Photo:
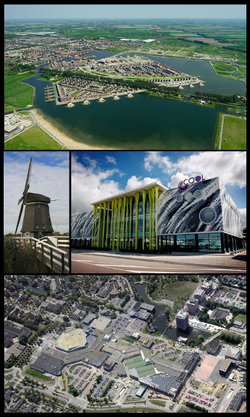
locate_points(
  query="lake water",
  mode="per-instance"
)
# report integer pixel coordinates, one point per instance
(143, 122)
(160, 320)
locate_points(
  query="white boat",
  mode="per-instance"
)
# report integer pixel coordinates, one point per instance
(86, 102)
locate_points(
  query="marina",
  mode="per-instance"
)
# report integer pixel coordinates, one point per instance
(150, 122)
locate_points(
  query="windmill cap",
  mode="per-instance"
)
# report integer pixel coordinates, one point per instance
(36, 198)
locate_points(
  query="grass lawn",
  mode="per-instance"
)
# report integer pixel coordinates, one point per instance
(241, 317)
(17, 95)
(37, 374)
(33, 138)
(179, 289)
(234, 131)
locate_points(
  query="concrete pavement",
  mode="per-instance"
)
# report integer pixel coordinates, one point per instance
(83, 261)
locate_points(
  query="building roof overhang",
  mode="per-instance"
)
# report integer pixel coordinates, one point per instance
(132, 193)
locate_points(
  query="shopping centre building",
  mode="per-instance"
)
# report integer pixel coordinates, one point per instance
(199, 215)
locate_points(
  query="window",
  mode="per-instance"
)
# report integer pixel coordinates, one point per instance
(209, 242)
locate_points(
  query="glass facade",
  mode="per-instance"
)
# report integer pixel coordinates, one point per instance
(156, 218)
(209, 242)
(127, 222)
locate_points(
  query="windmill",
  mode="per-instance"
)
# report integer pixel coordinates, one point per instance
(36, 221)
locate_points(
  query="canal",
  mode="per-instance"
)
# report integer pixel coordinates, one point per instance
(160, 320)
(143, 122)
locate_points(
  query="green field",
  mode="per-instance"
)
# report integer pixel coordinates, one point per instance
(17, 95)
(234, 133)
(179, 289)
(241, 317)
(33, 139)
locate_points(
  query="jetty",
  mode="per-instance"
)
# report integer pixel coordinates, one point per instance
(49, 93)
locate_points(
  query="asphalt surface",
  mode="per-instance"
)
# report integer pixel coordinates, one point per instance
(90, 262)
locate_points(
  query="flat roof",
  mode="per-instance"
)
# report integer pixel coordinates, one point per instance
(132, 193)
(71, 340)
(48, 363)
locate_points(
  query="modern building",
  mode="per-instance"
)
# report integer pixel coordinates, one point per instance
(192, 305)
(47, 363)
(199, 295)
(199, 215)
(182, 320)
(71, 340)
(206, 286)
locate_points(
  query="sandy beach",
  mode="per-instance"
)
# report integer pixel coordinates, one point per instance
(58, 135)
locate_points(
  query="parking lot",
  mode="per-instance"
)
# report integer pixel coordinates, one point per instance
(80, 376)
(124, 326)
(204, 400)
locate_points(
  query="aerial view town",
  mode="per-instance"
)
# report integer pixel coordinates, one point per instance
(155, 343)
(124, 201)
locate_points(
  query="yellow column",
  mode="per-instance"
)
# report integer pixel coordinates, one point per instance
(114, 223)
(156, 215)
(130, 219)
(144, 193)
(150, 219)
(103, 224)
(136, 218)
(99, 224)
(126, 227)
(123, 225)
(108, 228)
(153, 218)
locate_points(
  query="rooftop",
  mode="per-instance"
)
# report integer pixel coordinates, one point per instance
(132, 193)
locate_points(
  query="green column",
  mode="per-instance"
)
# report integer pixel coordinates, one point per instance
(156, 215)
(108, 225)
(144, 193)
(150, 219)
(103, 223)
(126, 225)
(153, 207)
(123, 223)
(119, 223)
(114, 218)
(137, 195)
(99, 224)
(130, 219)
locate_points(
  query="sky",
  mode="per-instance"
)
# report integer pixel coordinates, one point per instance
(96, 175)
(125, 11)
(49, 176)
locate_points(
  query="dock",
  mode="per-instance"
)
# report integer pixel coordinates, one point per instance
(49, 93)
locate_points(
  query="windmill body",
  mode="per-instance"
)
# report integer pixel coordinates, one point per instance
(36, 221)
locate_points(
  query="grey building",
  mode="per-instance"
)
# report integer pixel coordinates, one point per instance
(182, 320)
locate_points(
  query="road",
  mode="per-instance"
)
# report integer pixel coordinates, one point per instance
(83, 261)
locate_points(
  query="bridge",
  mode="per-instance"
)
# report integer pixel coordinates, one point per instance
(55, 258)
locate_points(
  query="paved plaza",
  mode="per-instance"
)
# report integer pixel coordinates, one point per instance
(83, 261)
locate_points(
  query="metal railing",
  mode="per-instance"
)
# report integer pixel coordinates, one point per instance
(56, 259)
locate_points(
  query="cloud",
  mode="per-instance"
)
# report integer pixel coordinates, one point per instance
(229, 166)
(111, 159)
(90, 183)
(157, 159)
(135, 182)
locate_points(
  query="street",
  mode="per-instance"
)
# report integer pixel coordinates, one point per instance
(83, 261)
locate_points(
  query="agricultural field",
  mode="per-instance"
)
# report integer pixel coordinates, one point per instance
(233, 71)
(33, 138)
(17, 95)
(233, 135)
